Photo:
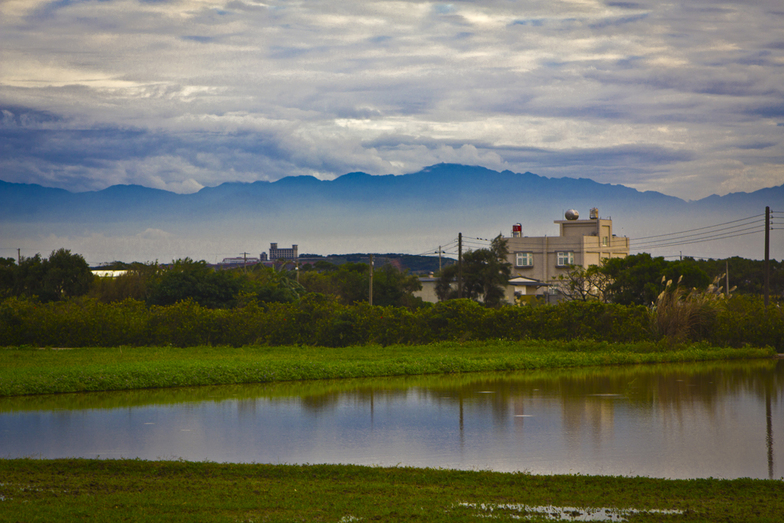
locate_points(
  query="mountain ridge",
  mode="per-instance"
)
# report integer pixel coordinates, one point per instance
(451, 170)
(356, 212)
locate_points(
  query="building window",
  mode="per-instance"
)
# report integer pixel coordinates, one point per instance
(605, 241)
(565, 259)
(524, 259)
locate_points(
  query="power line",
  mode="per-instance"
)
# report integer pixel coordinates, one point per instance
(443, 248)
(710, 234)
(675, 241)
(699, 228)
(721, 231)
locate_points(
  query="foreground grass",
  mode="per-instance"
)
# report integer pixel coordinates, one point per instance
(134, 490)
(45, 371)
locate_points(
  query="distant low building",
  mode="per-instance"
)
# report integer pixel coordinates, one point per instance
(428, 290)
(518, 289)
(239, 261)
(522, 289)
(108, 274)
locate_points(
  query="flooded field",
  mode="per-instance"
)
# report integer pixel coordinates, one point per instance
(719, 419)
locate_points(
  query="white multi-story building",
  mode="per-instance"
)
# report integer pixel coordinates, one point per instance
(276, 254)
(580, 242)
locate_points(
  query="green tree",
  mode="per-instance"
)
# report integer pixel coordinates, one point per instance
(747, 275)
(688, 272)
(584, 284)
(485, 275)
(265, 284)
(29, 277)
(188, 279)
(67, 275)
(394, 287)
(637, 279)
(63, 275)
(7, 275)
(131, 285)
(350, 283)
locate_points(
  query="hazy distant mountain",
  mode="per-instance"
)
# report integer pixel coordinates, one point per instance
(356, 212)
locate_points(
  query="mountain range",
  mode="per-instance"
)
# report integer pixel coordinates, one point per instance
(413, 213)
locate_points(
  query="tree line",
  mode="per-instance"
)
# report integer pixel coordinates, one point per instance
(639, 279)
(64, 275)
(481, 276)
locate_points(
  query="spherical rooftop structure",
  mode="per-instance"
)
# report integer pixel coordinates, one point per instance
(571, 214)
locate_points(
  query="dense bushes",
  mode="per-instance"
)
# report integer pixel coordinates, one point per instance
(318, 320)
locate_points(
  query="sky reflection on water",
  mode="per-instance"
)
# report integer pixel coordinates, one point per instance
(679, 421)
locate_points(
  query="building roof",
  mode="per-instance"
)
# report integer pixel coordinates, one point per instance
(526, 282)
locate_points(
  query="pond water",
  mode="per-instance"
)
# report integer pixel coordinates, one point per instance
(721, 419)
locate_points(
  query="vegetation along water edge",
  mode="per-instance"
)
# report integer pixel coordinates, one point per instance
(30, 370)
(137, 490)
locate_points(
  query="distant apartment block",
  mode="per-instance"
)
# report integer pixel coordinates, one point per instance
(276, 254)
(580, 242)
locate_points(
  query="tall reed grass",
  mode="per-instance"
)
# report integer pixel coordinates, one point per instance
(682, 314)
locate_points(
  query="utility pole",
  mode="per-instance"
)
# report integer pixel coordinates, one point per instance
(727, 278)
(460, 265)
(439, 258)
(767, 256)
(244, 261)
(19, 256)
(370, 293)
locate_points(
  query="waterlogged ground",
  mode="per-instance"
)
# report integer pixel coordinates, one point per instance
(108, 490)
(717, 419)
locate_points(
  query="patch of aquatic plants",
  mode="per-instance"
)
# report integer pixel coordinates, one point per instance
(107, 490)
(46, 371)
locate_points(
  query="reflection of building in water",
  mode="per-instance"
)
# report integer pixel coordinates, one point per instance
(596, 412)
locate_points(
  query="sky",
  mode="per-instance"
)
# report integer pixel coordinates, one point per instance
(684, 98)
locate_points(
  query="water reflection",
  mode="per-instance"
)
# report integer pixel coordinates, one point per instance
(680, 421)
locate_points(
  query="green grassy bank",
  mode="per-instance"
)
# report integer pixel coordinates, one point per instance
(134, 490)
(44, 371)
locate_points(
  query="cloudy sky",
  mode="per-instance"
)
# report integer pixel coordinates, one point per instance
(684, 98)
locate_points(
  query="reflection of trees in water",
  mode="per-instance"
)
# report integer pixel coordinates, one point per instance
(583, 392)
(588, 396)
(670, 391)
(643, 385)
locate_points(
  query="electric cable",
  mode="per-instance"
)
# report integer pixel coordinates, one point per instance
(699, 228)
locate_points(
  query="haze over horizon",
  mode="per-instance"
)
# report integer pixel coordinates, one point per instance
(682, 98)
(356, 213)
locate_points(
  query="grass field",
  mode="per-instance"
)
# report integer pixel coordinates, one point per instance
(51, 370)
(134, 490)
